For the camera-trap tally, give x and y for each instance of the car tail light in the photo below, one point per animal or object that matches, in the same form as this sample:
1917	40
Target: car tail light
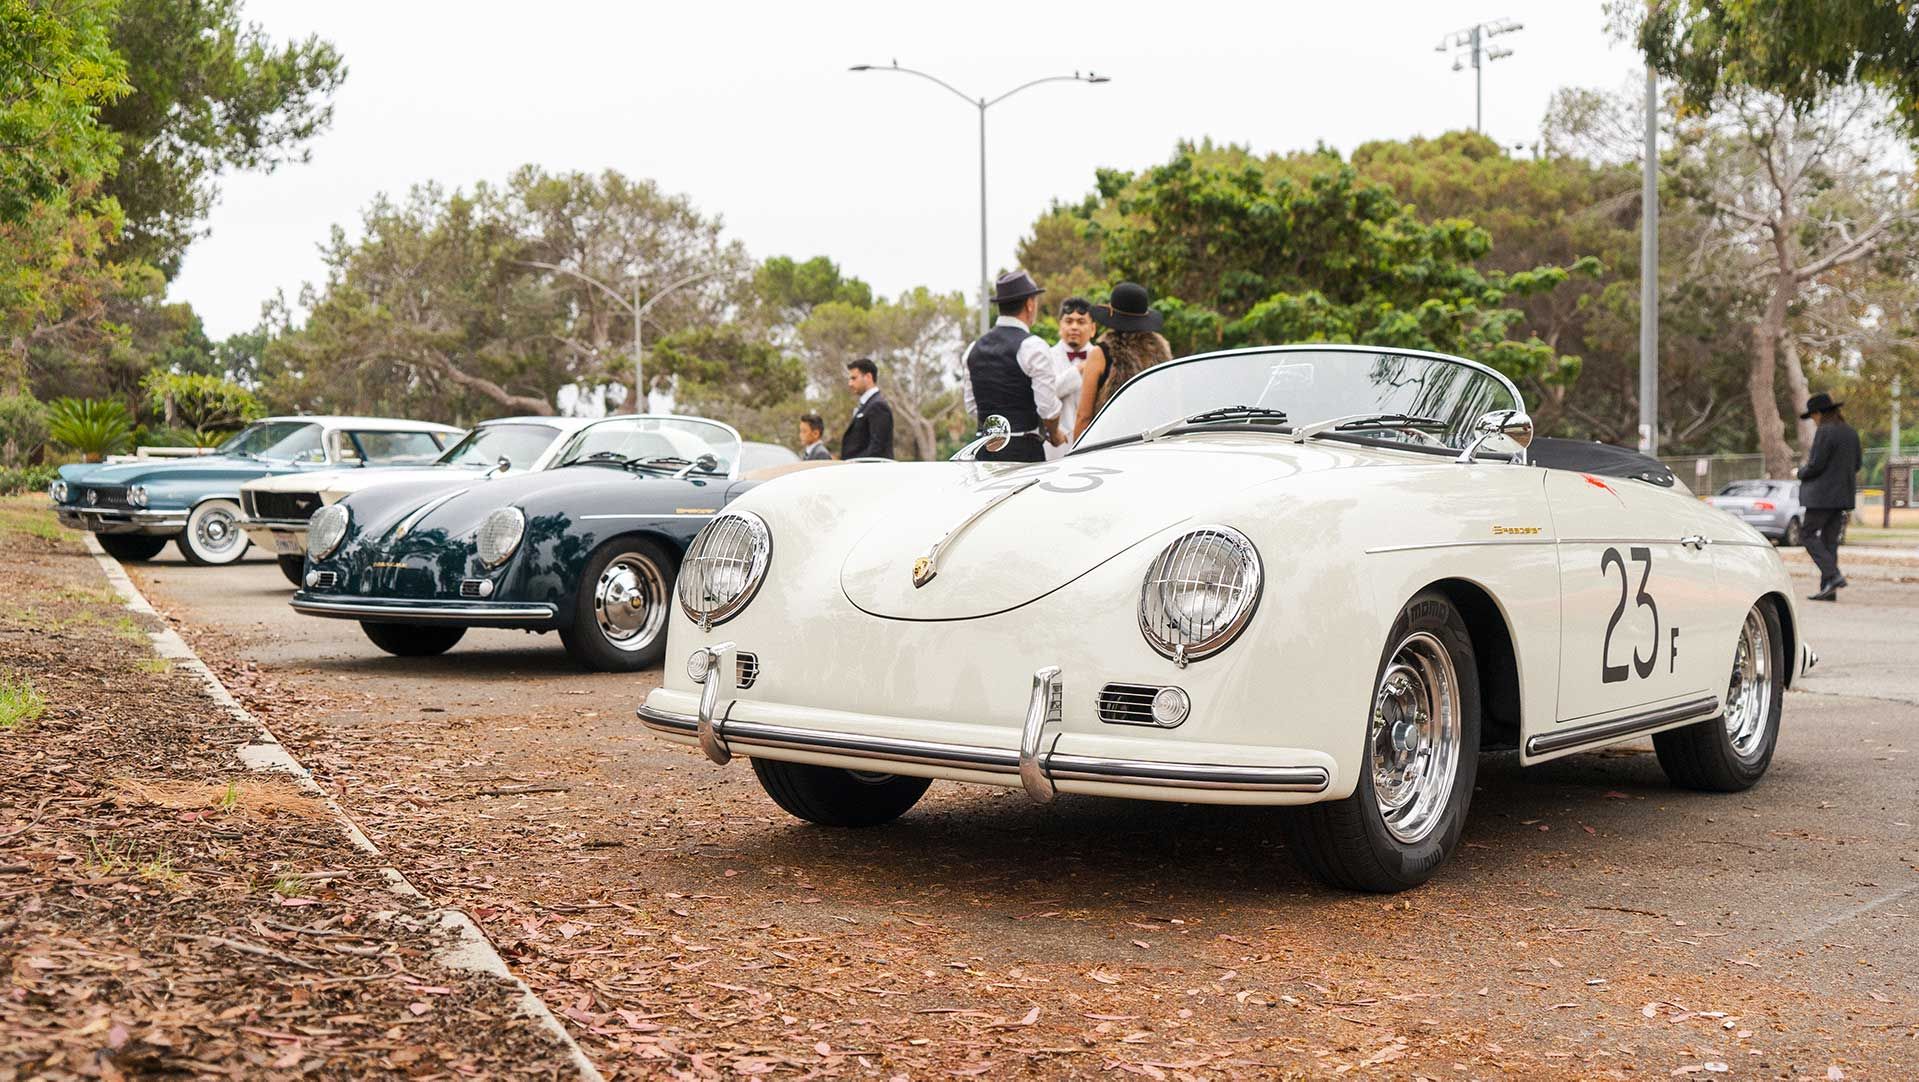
1762	505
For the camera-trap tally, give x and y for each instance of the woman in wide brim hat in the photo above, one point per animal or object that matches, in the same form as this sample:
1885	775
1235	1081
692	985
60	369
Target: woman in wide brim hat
1131	345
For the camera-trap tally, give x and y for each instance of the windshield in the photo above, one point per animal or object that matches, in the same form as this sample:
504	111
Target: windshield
286	441
519	444
391	448
1312	385
641	438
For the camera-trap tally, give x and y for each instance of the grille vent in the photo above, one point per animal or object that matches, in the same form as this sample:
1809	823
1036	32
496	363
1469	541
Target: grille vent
749	669
471	588
292	506
102	496
1127	704
325	580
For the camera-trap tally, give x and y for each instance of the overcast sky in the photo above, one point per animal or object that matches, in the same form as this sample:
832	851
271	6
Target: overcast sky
750	111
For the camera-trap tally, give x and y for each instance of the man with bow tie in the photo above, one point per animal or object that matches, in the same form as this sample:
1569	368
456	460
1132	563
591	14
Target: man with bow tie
1075	344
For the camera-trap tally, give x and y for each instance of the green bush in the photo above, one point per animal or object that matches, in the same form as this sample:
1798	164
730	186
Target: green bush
26	478
93	427
23	428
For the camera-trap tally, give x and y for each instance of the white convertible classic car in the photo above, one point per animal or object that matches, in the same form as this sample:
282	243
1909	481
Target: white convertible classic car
1324	576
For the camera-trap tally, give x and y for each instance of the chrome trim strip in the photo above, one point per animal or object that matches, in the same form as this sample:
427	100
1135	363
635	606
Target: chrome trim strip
926	568
524	611
1599	732
1464	544
704	514
1270	779
288	524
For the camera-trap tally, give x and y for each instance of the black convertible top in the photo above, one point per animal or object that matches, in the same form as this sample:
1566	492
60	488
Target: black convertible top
1603	459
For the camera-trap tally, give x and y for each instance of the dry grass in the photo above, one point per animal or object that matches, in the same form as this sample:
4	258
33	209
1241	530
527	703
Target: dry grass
244	797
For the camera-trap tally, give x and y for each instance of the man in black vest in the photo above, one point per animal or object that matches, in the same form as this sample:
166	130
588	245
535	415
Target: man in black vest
870	433
1826	489
1009	372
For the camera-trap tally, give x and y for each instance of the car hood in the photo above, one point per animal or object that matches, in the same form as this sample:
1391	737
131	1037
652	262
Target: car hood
455	507
1040	526
144	470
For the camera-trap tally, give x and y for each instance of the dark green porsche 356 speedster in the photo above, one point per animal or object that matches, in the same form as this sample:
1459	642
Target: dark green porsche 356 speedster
588	548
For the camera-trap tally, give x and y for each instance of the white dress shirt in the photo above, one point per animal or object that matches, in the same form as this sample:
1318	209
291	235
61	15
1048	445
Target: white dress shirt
1035	359
1066	384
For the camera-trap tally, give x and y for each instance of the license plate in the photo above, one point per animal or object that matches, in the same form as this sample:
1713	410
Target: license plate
289	544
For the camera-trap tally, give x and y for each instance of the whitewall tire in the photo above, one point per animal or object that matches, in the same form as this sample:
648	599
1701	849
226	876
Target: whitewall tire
213	535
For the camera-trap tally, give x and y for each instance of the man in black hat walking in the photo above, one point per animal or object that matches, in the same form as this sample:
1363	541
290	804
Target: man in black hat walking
1009	372
1826	484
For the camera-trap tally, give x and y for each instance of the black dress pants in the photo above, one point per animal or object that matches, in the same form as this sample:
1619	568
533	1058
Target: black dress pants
1820	531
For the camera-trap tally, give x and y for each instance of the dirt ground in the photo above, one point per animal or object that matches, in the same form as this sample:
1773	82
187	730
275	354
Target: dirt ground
164	911
1597	923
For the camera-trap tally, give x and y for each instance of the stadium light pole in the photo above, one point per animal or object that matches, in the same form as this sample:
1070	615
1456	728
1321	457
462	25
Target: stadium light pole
1477	54
983	104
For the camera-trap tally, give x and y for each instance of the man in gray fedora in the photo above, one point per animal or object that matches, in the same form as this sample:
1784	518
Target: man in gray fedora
1826	484
1009	371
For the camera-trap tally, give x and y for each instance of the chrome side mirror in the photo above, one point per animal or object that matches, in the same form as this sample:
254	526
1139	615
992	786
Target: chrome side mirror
998	433
704	464
1501	432
500	467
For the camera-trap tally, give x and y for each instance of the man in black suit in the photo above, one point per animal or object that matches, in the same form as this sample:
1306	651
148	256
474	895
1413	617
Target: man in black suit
870	433
1826	484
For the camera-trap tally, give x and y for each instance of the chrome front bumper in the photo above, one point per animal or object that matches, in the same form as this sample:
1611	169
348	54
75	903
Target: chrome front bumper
423	612
121	520
1036	765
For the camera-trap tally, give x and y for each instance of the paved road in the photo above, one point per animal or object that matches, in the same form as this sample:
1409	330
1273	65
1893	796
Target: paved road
1597	921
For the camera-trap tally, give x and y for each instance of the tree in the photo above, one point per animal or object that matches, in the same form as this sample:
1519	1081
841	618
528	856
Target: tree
1796	197
1796	49
209	405
57	68
732	374
916	342
1248	253
210	93
790	289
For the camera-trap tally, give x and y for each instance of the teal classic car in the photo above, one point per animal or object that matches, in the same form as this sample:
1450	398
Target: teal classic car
589	547
136	506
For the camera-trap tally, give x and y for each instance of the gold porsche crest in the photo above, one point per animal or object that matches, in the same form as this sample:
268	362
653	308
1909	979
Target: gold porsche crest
923	571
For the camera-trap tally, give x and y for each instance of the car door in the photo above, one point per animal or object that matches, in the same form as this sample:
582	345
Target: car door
1637	602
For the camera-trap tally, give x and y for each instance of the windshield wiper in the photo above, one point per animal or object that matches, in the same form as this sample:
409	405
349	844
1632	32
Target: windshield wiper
1242	414
1358	422
601	458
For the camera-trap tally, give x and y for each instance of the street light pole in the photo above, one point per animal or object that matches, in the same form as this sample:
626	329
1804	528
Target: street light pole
1649	275
983	104
635	309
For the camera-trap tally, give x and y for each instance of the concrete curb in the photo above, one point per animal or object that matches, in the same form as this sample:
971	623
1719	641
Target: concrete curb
473	952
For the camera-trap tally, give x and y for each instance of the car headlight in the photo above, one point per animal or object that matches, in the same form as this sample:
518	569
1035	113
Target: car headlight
58	491
137	496
1199	593
500	535
326	529
724	566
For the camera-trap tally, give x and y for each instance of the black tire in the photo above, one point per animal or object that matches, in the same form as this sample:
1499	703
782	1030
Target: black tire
294	568
1792	540
413	640
1348	843
131	547
1703	755
640	562
833	797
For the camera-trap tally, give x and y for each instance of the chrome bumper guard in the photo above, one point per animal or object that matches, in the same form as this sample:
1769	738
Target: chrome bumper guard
1037	765
1808	657
118	519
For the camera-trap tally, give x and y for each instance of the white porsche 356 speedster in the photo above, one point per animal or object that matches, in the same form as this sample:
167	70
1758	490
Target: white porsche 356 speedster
1324	576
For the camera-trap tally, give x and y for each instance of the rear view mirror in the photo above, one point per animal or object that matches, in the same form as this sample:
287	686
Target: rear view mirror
994	437
1501	433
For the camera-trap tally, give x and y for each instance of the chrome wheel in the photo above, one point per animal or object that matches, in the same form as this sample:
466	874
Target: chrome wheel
629	601
1414	754
213	534
1749	694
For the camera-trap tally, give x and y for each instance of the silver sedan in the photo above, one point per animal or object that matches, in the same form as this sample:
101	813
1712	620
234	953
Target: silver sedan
1771	507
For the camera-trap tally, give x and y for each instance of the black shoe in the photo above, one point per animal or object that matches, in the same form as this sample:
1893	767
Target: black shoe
1826	593
1839	583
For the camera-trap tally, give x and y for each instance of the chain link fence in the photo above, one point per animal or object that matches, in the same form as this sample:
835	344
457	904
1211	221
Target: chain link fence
1707	474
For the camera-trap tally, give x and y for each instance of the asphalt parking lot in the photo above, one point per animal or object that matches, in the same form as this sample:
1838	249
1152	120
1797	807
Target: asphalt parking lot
1597	922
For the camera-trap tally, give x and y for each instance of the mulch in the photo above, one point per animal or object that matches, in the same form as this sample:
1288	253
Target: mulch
166	911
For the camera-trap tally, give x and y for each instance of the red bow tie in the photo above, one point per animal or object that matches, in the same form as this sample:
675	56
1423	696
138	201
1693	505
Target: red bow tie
1075	354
